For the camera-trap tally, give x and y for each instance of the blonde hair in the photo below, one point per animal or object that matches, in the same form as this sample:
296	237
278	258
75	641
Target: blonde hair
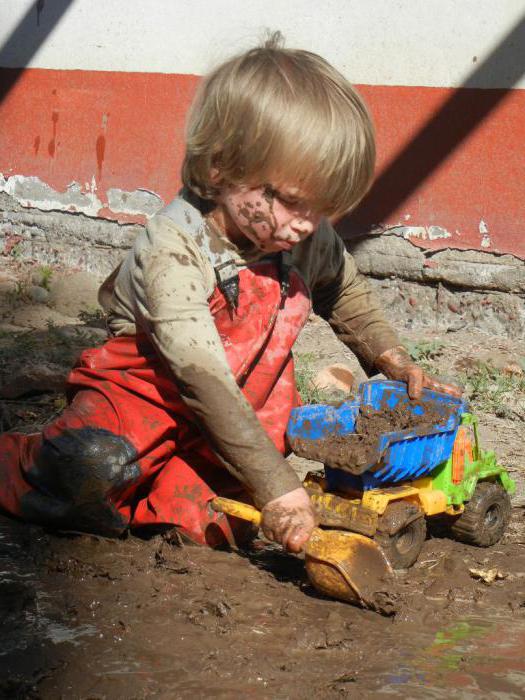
281	116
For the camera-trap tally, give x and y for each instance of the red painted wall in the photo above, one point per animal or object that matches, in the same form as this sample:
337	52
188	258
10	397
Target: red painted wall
464	164
127	130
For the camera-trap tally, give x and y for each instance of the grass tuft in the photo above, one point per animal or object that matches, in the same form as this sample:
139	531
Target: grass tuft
424	352
305	372
493	391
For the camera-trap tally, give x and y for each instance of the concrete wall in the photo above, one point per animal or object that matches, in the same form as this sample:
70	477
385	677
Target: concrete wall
94	126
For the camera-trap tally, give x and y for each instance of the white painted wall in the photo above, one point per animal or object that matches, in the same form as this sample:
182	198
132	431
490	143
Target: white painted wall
376	42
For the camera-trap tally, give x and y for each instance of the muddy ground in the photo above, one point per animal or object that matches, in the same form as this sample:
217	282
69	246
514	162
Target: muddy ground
85	617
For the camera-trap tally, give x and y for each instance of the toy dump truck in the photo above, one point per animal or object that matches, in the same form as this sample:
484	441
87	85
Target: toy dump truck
380	488
432	471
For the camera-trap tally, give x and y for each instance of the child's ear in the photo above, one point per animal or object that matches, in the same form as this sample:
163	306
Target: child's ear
215	176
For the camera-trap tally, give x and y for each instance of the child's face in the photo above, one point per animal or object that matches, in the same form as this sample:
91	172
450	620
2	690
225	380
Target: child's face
272	218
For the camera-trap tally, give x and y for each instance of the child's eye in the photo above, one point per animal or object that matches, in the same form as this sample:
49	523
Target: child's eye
287	201
275	194
271	192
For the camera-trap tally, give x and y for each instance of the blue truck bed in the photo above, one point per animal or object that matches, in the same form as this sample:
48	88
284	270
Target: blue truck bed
399	456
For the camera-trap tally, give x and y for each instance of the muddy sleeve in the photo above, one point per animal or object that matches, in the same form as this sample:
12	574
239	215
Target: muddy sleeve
343	297
178	320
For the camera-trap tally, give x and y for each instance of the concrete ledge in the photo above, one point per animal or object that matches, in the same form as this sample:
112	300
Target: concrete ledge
389	255
62	238
446	290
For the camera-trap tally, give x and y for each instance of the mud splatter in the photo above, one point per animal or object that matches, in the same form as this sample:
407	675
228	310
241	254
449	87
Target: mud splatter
182	259
100	150
51	147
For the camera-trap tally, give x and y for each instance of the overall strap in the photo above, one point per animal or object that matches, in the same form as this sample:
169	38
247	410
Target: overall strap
285	267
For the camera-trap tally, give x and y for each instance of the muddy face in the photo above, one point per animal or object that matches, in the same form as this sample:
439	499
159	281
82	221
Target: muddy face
272	219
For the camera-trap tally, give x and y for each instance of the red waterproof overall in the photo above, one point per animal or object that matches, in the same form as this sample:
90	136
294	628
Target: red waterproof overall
128	452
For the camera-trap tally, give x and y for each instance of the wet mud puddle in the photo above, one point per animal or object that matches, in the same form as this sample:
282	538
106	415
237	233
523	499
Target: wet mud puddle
84	617
466	658
32	617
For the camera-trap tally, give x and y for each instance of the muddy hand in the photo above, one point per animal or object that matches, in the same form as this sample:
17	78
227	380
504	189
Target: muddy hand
397	364
289	520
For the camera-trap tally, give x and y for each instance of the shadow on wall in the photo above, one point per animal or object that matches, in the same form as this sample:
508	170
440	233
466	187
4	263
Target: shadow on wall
408	169
442	134
28	36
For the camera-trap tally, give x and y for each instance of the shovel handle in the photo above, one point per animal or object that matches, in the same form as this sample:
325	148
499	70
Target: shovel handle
237	509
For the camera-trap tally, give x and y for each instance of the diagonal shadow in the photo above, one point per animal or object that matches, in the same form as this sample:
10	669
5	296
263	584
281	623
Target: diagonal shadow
439	137
443	133
28	36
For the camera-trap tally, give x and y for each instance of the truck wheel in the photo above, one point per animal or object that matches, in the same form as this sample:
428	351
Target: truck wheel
485	517
402	548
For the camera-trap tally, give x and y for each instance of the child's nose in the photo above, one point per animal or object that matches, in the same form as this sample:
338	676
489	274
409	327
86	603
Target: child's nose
302	225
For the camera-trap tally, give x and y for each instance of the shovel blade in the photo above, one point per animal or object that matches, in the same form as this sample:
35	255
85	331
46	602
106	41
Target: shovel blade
340	564
350	567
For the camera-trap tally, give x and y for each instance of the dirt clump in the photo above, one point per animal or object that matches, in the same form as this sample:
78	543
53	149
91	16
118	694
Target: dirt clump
357	451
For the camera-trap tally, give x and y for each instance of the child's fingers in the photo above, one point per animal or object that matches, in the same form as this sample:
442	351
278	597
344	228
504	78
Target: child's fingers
289	519
291	536
415	381
297	537
269	534
442	387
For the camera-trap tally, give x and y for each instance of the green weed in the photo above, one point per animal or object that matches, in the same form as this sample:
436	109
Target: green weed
490	390
424	349
46	273
19	293
424	352
16	251
305	371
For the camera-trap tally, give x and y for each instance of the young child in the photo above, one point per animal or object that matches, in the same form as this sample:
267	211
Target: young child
191	395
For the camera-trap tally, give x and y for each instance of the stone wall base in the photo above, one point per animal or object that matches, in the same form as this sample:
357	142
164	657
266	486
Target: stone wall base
445	290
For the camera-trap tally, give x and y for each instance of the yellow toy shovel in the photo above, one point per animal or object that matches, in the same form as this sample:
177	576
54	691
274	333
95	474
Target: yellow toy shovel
340	564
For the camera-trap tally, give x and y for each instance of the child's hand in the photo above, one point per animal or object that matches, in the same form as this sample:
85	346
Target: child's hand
397	364
289	520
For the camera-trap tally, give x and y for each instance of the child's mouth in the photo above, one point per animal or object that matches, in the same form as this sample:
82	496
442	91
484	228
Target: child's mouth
285	244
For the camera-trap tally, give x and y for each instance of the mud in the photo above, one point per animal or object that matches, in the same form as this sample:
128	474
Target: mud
357	451
86	617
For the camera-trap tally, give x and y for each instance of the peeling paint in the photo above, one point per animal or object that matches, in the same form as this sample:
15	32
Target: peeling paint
32	192
484	231
435	232
141	201
423	233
